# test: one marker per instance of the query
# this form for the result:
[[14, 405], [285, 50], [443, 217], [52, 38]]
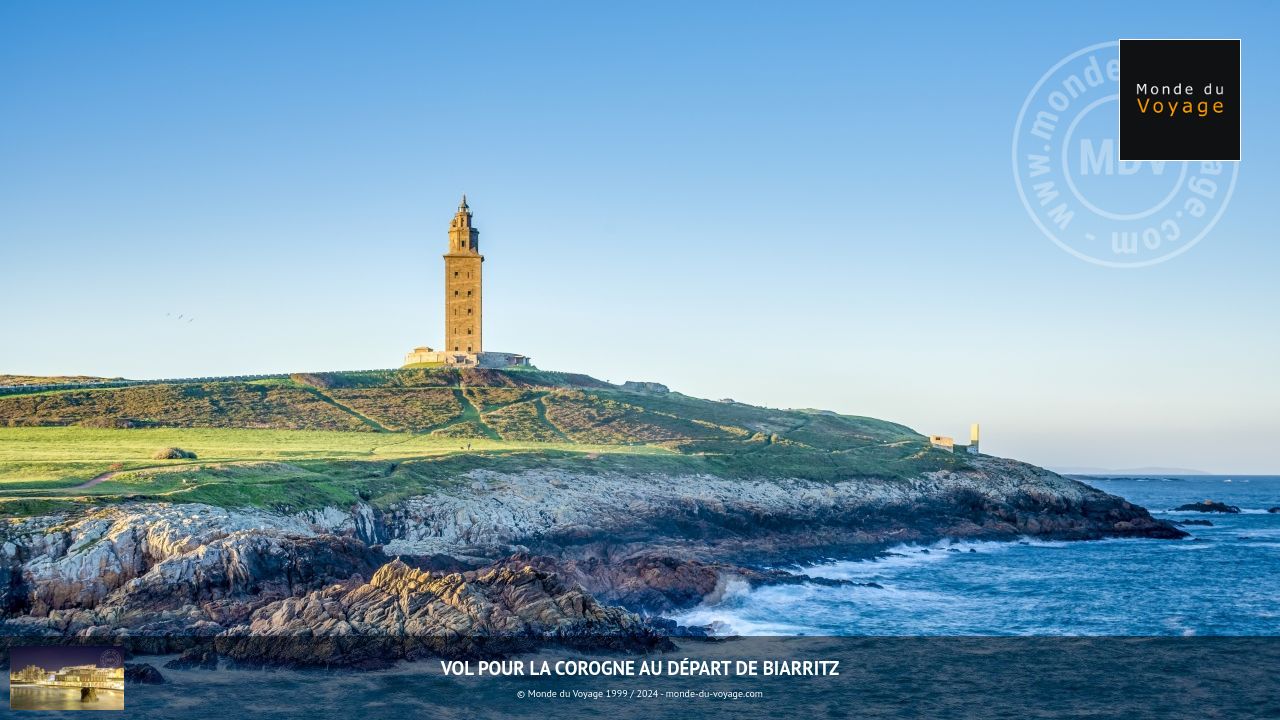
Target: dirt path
[[540, 406], [170, 466], [324, 397], [469, 413], [107, 476]]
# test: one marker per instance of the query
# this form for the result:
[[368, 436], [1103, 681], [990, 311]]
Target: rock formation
[[495, 562], [406, 613], [1208, 506], [142, 674]]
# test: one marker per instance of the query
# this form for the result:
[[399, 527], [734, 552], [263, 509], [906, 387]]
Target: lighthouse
[[463, 305]]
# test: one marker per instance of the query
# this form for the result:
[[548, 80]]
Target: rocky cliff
[[404, 613], [529, 556]]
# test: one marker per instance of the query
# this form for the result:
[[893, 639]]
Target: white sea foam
[[911, 555], [727, 623], [1026, 587]]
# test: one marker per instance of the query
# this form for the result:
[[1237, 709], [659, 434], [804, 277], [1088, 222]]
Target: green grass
[[290, 470], [379, 436], [48, 463], [24, 448]]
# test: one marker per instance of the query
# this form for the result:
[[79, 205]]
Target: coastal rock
[[155, 570], [658, 584], [743, 521], [403, 613], [200, 657], [1203, 523], [649, 582], [142, 674], [513, 556], [1274, 509], [1208, 506]]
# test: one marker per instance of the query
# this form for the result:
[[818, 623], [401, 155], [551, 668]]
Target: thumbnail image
[[66, 677]]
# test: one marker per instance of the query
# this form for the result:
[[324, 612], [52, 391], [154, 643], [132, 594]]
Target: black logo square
[[1179, 99]]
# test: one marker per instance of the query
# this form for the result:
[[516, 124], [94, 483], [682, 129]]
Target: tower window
[[468, 311], [455, 293], [468, 331], [468, 293], [455, 273]]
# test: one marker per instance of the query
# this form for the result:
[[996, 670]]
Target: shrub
[[174, 453]]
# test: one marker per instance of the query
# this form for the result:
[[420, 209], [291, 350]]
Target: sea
[[1223, 580]]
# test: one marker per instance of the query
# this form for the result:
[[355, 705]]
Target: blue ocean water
[[1224, 580]]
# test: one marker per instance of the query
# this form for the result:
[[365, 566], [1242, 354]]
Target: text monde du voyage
[[685, 667]]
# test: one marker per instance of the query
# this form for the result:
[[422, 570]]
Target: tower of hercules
[[463, 305], [463, 290]]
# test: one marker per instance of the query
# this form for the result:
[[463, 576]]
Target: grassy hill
[[6, 380], [333, 438]]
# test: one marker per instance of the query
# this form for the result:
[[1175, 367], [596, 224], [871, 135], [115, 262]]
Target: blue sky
[[796, 205]]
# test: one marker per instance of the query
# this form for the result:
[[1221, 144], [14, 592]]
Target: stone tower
[[463, 316], [463, 298]]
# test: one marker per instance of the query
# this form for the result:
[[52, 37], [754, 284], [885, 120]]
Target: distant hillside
[[513, 406], [22, 380]]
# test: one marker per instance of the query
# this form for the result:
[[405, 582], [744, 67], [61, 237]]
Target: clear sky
[[790, 204]]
